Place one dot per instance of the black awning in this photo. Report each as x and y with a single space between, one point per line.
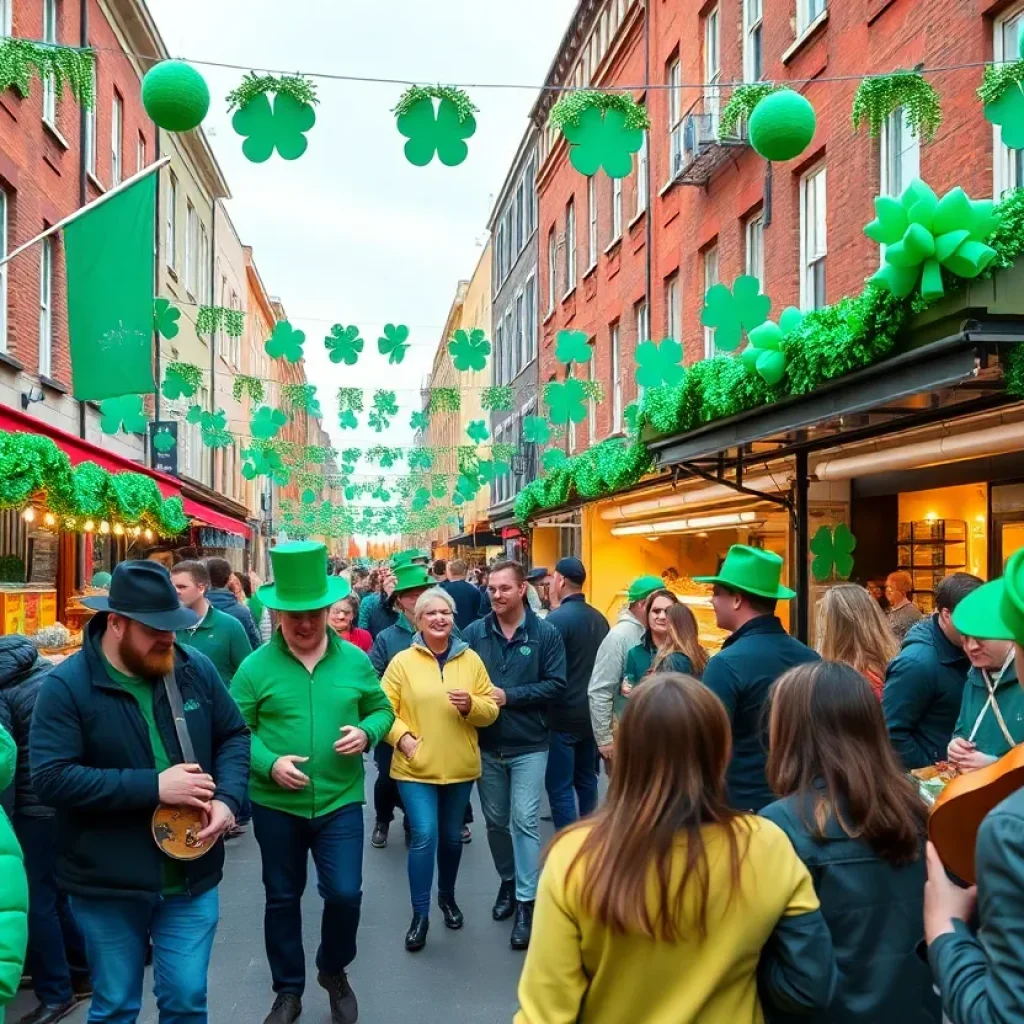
480 539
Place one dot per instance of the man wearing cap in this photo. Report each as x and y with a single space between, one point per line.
610 663
314 705
106 750
572 756
536 578
757 651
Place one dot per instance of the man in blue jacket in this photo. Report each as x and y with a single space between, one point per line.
525 658
105 752
223 599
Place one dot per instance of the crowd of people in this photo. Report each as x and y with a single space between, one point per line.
761 853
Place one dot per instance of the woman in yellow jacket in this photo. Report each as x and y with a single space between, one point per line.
666 906
441 695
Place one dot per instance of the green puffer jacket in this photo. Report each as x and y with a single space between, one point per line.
13 888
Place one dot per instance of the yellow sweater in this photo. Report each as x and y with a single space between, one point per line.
577 971
418 691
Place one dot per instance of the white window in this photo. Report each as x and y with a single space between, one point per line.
3 271
531 197
591 404
571 430
813 222
643 328
510 345
755 248
753 17
900 152
140 153
616 208
571 255
499 255
89 142
675 117
807 12
673 308
710 278
520 219
531 319
552 269
641 178
520 344
203 271
116 142
49 85
46 308
1008 165
5 17
712 71
172 222
191 241
592 218
615 354
499 356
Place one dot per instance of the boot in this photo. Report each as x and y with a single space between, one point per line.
416 936
344 1008
523 925
505 905
379 836
452 915
286 1009
44 1014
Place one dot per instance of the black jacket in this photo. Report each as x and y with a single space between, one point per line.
22 671
530 668
582 628
227 602
92 760
468 603
382 616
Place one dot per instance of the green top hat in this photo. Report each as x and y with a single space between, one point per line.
751 571
643 587
301 583
412 577
996 610
408 557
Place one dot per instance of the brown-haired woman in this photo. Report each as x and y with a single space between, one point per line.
660 906
853 629
859 825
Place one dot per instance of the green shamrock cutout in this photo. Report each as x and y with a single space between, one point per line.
566 401
419 420
1007 111
163 441
631 415
599 139
165 318
265 463
832 550
467 487
421 460
285 342
394 344
217 439
552 459
764 355
344 344
347 420
351 493
730 313
308 497
208 421
491 469
572 347
659 364
176 385
122 415
439 133
420 499
478 432
282 126
267 422
469 350
536 430
439 487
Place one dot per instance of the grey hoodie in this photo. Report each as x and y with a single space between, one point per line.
609 668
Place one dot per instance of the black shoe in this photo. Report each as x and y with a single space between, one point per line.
467 835
416 936
505 905
344 1008
379 835
523 925
286 1009
44 1014
452 915
81 986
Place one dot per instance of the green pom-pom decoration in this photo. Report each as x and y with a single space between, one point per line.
782 125
175 95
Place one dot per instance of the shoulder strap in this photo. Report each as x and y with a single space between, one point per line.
178 713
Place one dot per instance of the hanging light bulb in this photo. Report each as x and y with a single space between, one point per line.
88 526
29 514
118 530
136 531
49 519
148 534
104 526
69 523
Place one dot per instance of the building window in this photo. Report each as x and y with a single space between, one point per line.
552 269
140 153
204 273
570 246
5 17
191 242
712 71
531 320
641 178
116 142
591 404
510 345
1008 165
46 308
753 66
900 153
531 197
3 271
592 219
519 356
172 221
615 354
807 12
643 328
500 377
673 308
675 116
520 219
616 208
89 142
710 278
755 248
812 239
50 21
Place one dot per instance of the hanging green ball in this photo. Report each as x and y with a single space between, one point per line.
175 96
782 125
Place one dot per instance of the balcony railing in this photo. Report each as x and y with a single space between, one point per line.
697 150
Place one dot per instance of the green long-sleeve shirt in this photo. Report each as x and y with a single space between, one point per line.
222 638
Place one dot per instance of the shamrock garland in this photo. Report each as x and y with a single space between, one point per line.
1002 92
572 347
250 386
210 319
62 65
181 380
421 459
280 126
833 551
212 426
165 318
536 430
659 364
603 130
882 95
440 132
267 422
265 462
477 431
302 398
444 400
344 344
384 408
419 420
469 349
285 342
765 354
730 313
499 398
566 401
122 415
394 344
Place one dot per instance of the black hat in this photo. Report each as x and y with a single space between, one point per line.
142 590
572 569
538 573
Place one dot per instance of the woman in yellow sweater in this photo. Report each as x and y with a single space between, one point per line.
441 695
667 907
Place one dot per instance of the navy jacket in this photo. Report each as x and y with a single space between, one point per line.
468 603
91 759
530 668
227 602
741 675
389 642
582 628
382 616
924 686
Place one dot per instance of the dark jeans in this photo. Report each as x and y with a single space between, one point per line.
286 841
385 790
244 812
56 950
436 815
571 776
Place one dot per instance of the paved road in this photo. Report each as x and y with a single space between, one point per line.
464 977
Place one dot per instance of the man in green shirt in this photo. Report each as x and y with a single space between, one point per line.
314 705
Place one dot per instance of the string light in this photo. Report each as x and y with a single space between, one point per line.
104 526
29 514
49 519
118 530
136 530
88 526
148 534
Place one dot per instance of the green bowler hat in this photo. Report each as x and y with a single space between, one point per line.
753 571
301 583
996 610
412 577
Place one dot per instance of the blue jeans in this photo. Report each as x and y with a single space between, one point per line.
571 775
286 841
117 933
510 792
435 814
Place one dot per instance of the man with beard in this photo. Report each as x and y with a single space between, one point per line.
106 750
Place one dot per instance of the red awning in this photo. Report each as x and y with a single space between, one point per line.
219 520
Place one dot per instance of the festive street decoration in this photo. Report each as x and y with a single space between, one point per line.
164 441
285 342
552 459
833 553
659 364
165 318
384 408
419 420
281 125
536 430
765 354
302 398
421 459
741 103
123 415
1002 93
603 129
395 343
566 401
630 416
439 131
211 319
499 398
265 463
477 431
730 313
344 344
267 422
880 96
249 386
22 59
175 95
469 349
572 347
181 380
782 125
444 400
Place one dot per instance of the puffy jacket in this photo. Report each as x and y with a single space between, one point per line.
91 759
227 602
924 686
609 668
390 642
13 888
530 668
582 628
22 671
989 737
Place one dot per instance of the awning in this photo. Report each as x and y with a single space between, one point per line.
213 518
480 539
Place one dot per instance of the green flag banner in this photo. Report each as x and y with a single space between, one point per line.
109 259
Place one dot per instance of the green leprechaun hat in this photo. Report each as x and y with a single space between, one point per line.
412 577
301 583
996 610
751 571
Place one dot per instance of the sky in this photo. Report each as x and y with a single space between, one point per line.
351 233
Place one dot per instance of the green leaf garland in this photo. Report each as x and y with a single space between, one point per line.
741 103
252 387
20 59
497 399
570 108
298 87
181 380
444 400
880 96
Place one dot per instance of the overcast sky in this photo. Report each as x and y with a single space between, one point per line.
351 232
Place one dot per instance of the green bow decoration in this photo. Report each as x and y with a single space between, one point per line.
832 549
282 126
922 234
764 355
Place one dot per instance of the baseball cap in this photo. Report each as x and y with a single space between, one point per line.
643 587
572 569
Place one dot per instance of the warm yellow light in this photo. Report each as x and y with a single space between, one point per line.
104 526
931 517
148 534
49 519
69 523
979 519
29 514
88 526
118 530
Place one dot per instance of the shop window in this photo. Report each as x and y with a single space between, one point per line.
813 248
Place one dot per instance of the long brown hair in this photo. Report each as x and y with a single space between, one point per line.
829 746
682 639
671 753
852 628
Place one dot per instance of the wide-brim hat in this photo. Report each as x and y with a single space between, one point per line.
412 577
143 591
751 571
301 583
995 611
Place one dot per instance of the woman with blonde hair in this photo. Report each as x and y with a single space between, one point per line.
853 629
666 905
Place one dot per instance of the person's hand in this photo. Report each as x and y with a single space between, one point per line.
500 698
958 748
944 900
974 760
286 775
388 585
186 785
353 740
460 700
218 820
408 745
607 751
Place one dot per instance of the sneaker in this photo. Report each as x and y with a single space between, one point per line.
467 834
379 836
286 1009
44 1014
344 1008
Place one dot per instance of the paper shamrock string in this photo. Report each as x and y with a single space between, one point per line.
439 487
832 550
659 364
421 459
122 415
347 420
444 400
536 430
602 129
572 347
491 469
467 487
552 459
344 344
469 350
285 342
163 441
922 234
441 132
394 343
566 401
730 313
497 398
764 355
165 318
419 420
181 380
384 408
281 126
420 499
265 463
477 431
267 422
251 386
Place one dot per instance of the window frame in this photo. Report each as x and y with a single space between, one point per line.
890 159
591 404
6 17
592 221
89 138
531 311
617 226
754 226
191 244
172 222
641 179
552 269
1007 164
571 251
140 152
673 307
45 338
712 92
50 34
753 41
615 353
711 278
808 267
676 150
519 341
806 16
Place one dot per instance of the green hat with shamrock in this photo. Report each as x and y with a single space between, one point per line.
301 583
996 610
751 571
412 577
